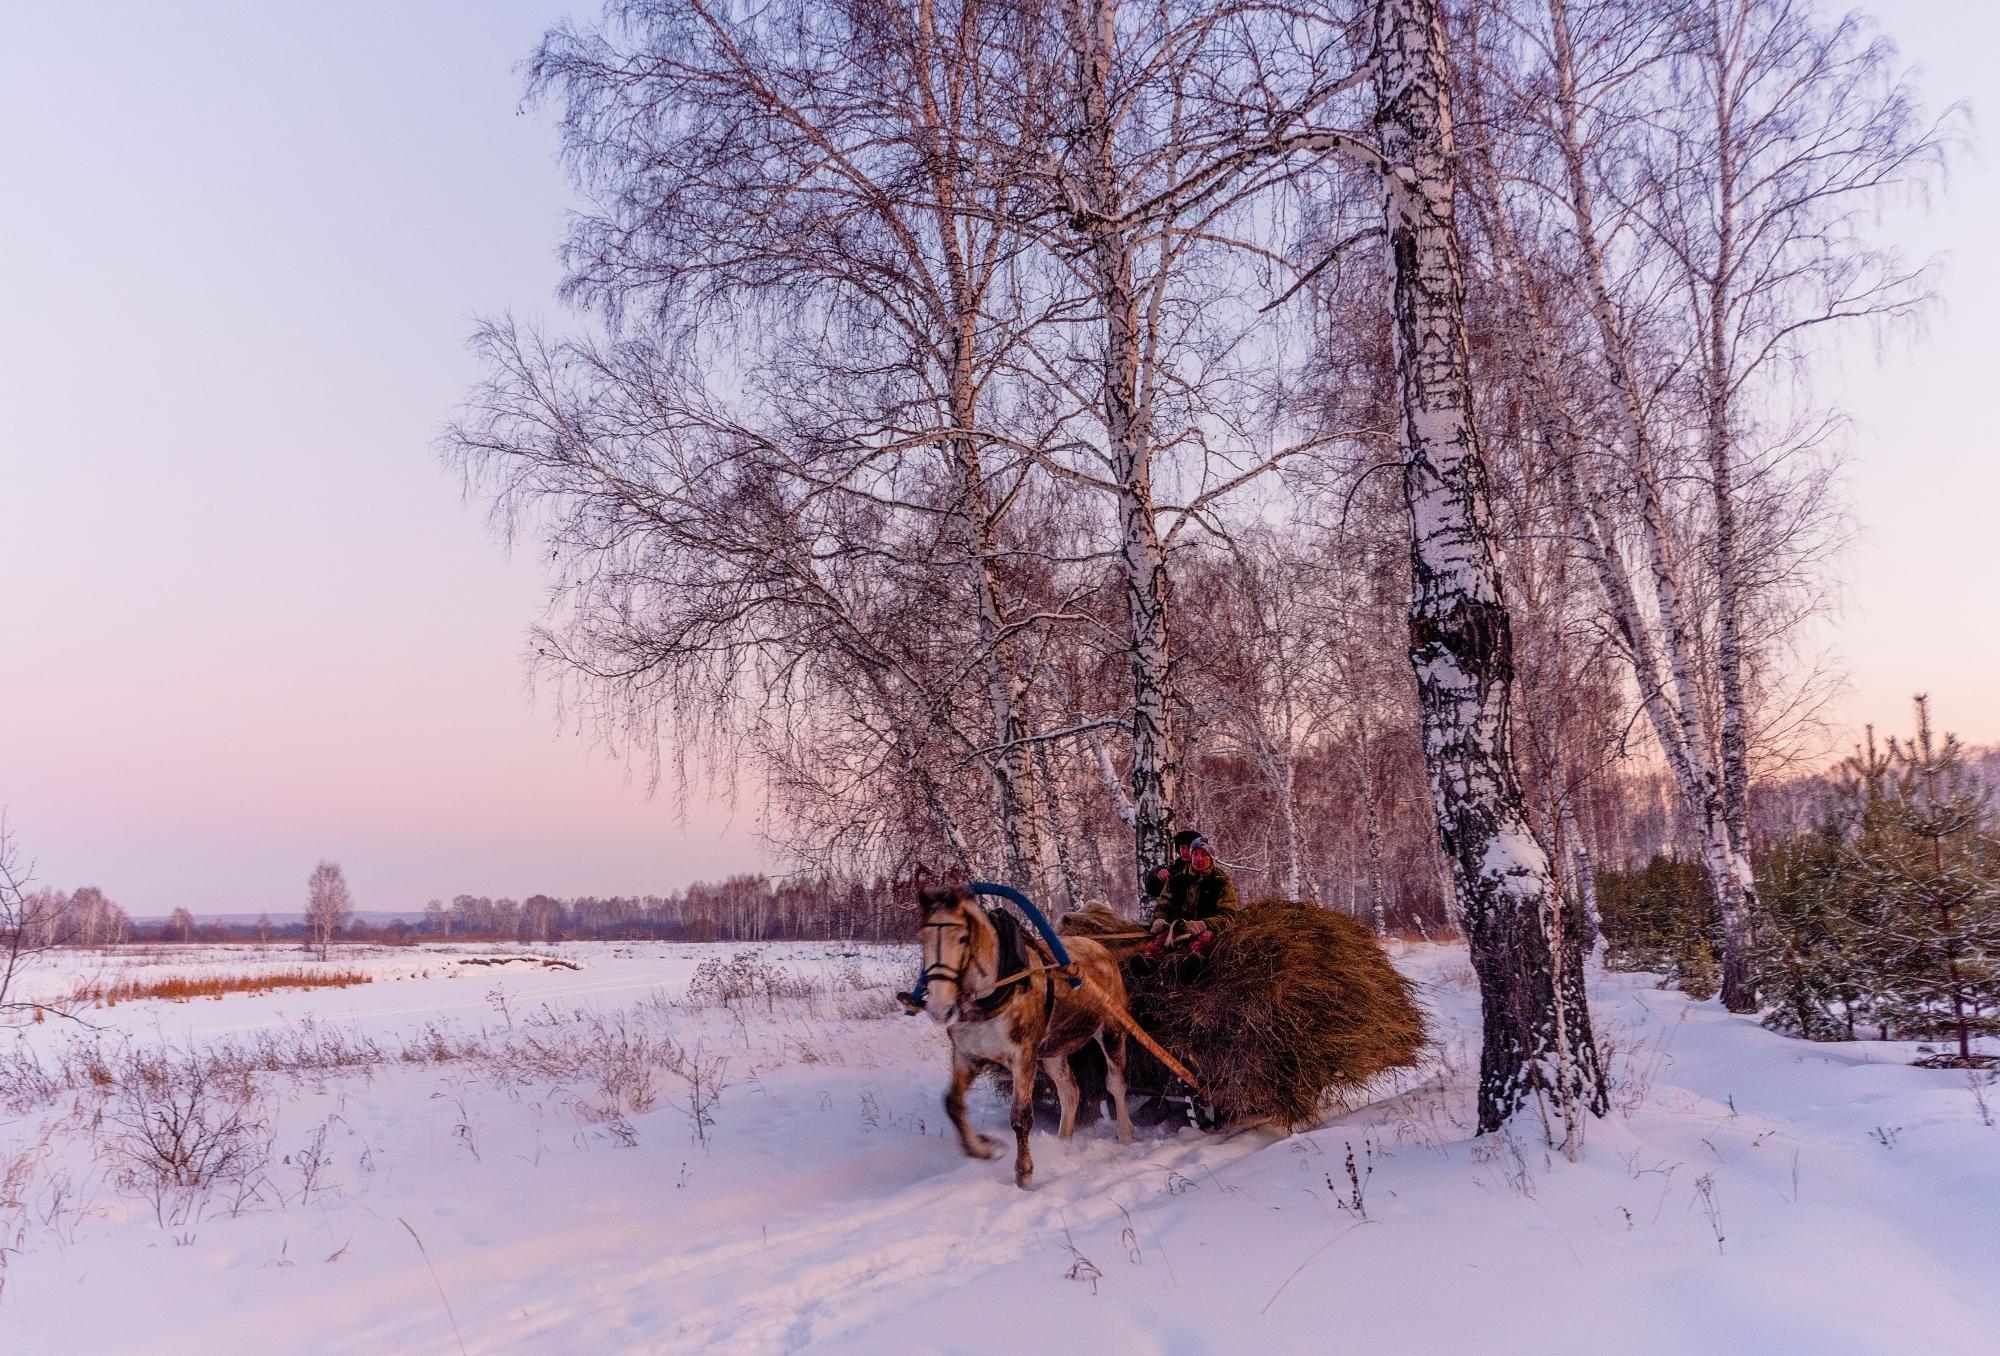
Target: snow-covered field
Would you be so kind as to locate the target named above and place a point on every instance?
(671, 1149)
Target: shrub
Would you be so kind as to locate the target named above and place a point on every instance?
(747, 974)
(181, 1129)
(1662, 918)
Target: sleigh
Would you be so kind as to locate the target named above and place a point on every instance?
(1295, 1005)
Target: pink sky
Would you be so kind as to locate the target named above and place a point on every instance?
(1924, 475)
(249, 622)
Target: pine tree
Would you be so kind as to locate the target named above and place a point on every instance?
(1930, 859)
(1889, 912)
(1663, 918)
(1811, 955)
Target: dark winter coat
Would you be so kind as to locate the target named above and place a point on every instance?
(1187, 894)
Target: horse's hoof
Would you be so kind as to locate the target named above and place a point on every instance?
(1025, 1180)
(984, 1147)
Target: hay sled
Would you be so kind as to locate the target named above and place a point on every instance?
(1295, 1005)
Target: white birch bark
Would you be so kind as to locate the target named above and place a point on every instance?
(1585, 868)
(1679, 728)
(1010, 762)
(1378, 907)
(1126, 413)
(1717, 380)
(1537, 1038)
(1288, 814)
(958, 295)
(1057, 867)
(1284, 763)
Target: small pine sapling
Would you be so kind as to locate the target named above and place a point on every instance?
(1809, 955)
(1931, 860)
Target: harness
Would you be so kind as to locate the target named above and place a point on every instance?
(1010, 946)
(1016, 968)
(991, 1002)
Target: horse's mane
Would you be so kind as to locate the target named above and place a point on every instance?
(1014, 956)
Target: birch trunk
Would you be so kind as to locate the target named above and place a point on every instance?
(1055, 858)
(1282, 761)
(1537, 1036)
(1288, 816)
(1010, 765)
(1738, 984)
(1680, 728)
(1378, 906)
(1127, 424)
(1585, 867)
(965, 271)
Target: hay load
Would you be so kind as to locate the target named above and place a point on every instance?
(1295, 1003)
(1120, 936)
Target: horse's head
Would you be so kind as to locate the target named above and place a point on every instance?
(951, 929)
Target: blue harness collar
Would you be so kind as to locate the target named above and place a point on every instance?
(1027, 906)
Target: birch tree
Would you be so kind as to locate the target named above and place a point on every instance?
(1163, 123)
(1792, 132)
(1665, 668)
(709, 600)
(866, 271)
(1603, 97)
(1526, 945)
(328, 906)
(1264, 680)
(32, 923)
(1537, 1035)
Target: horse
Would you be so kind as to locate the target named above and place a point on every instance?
(994, 1014)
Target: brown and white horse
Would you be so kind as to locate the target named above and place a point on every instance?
(1039, 1018)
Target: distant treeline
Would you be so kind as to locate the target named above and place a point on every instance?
(741, 908)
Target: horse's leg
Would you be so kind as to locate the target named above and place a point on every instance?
(1112, 1040)
(976, 1146)
(1066, 1092)
(1024, 1114)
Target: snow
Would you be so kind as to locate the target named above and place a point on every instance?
(1517, 863)
(828, 1208)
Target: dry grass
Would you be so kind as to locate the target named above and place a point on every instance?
(1296, 1002)
(182, 988)
(1120, 936)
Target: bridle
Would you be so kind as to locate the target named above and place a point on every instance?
(939, 970)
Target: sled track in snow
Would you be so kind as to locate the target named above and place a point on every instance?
(829, 1276)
